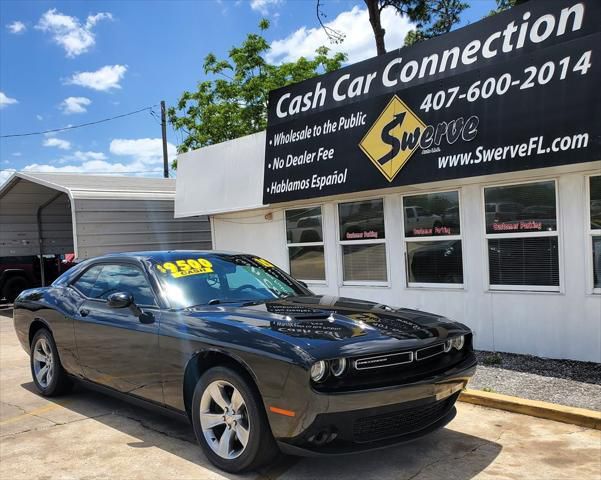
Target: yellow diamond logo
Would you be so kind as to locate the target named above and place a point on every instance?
(393, 138)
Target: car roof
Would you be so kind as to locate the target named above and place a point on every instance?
(165, 255)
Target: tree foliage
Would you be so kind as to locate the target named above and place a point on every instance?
(503, 5)
(440, 17)
(233, 101)
(431, 18)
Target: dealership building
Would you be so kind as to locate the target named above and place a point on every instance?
(460, 176)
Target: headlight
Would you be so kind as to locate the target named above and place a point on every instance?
(458, 342)
(448, 345)
(318, 371)
(338, 366)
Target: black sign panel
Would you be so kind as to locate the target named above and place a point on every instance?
(516, 91)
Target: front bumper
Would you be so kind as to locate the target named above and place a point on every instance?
(365, 420)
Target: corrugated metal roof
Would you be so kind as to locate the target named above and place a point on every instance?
(92, 215)
(97, 186)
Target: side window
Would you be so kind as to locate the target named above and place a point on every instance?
(86, 282)
(123, 278)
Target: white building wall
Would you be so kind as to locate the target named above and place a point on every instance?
(564, 324)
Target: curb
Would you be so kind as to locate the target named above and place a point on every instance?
(535, 408)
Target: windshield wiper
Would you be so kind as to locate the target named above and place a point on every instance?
(217, 301)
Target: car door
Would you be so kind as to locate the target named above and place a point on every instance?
(114, 347)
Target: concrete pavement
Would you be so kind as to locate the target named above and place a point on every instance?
(89, 435)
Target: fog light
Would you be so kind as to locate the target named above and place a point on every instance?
(318, 371)
(338, 366)
(458, 342)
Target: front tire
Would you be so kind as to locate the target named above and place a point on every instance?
(230, 422)
(49, 377)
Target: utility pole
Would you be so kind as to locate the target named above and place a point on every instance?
(164, 132)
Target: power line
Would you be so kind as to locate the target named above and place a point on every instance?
(103, 172)
(77, 126)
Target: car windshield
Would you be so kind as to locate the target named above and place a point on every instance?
(191, 280)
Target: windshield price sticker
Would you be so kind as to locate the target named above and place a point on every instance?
(184, 268)
(264, 263)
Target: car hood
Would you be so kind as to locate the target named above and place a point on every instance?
(340, 325)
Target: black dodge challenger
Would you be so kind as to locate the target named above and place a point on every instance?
(257, 362)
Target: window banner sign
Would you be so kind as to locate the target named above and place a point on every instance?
(515, 91)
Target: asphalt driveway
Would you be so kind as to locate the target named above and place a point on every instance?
(89, 435)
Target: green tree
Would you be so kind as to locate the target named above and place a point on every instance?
(440, 17)
(503, 5)
(417, 11)
(431, 18)
(233, 101)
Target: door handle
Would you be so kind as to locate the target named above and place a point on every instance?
(84, 312)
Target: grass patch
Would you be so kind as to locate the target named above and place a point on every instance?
(494, 359)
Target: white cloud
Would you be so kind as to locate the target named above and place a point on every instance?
(16, 154)
(103, 79)
(359, 42)
(68, 32)
(87, 156)
(16, 27)
(263, 6)
(141, 157)
(39, 117)
(58, 143)
(147, 151)
(74, 105)
(5, 100)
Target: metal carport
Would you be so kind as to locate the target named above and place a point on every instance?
(90, 215)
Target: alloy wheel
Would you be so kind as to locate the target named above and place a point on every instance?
(224, 419)
(43, 362)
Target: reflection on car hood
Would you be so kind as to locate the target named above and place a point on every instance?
(316, 320)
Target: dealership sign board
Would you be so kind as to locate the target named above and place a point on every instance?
(515, 91)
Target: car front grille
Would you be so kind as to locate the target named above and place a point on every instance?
(400, 422)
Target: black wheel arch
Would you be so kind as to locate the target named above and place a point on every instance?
(36, 325)
(203, 360)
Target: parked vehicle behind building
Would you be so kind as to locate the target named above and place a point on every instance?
(22, 272)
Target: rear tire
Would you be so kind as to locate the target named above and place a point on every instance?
(13, 287)
(235, 436)
(49, 377)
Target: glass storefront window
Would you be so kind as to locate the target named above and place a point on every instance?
(524, 208)
(437, 259)
(304, 235)
(362, 220)
(430, 215)
(522, 238)
(362, 240)
(595, 228)
(364, 262)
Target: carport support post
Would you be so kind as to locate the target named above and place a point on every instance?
(164, 133)
(40, 239)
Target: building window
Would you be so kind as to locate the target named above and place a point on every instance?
(363, 241)
(304, 236)
(522, 238)
(595, 229)
(432, 231)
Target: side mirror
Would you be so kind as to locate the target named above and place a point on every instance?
(123, 300)
(119, 300)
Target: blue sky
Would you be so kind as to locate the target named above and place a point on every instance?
(71, 62)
